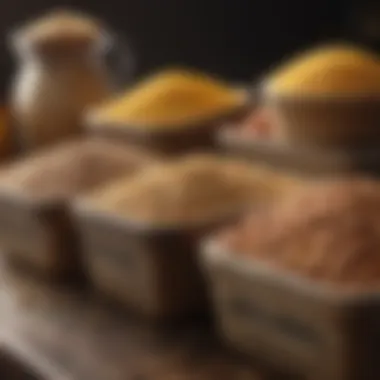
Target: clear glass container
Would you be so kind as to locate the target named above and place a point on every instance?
(61, 72)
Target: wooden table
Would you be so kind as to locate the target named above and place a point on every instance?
(64, 334)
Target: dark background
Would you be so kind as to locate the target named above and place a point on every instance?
(236, 39)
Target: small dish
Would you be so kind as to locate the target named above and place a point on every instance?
(308, 161)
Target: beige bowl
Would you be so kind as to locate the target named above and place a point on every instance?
(326, 121)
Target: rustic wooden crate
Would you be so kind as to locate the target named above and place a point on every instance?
(149, 269)
(296, 325)
(66, 334)
(37, 231)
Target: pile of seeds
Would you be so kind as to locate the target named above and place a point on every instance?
(72, 168)
(195, 189)
(329, 231)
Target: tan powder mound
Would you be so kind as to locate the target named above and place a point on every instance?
(193, 190)
(328, 231)
(71, 169)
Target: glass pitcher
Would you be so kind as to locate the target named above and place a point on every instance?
(62, 71)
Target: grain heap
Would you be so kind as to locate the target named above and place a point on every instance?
(171, 99)
(71, 168)
(328, 231)
(328, 70)
(196, 189)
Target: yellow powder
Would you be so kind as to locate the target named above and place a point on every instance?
(331, 70)
(172, 98)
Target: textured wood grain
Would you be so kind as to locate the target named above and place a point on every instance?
(66, 335)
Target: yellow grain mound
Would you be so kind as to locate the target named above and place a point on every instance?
(172, 98)
(331, 70)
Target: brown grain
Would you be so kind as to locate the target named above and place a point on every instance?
(194, 189)
(329, 231)
(71, 168)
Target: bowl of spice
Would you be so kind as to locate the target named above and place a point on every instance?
(35, 224)
(299, 285)
(172, 111)
(140, 236)
(239, 137)
(326, 97)
(256, 126)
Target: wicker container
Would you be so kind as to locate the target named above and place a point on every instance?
(326, 121)
(152, 271)
(309, 329)
(35, 225)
